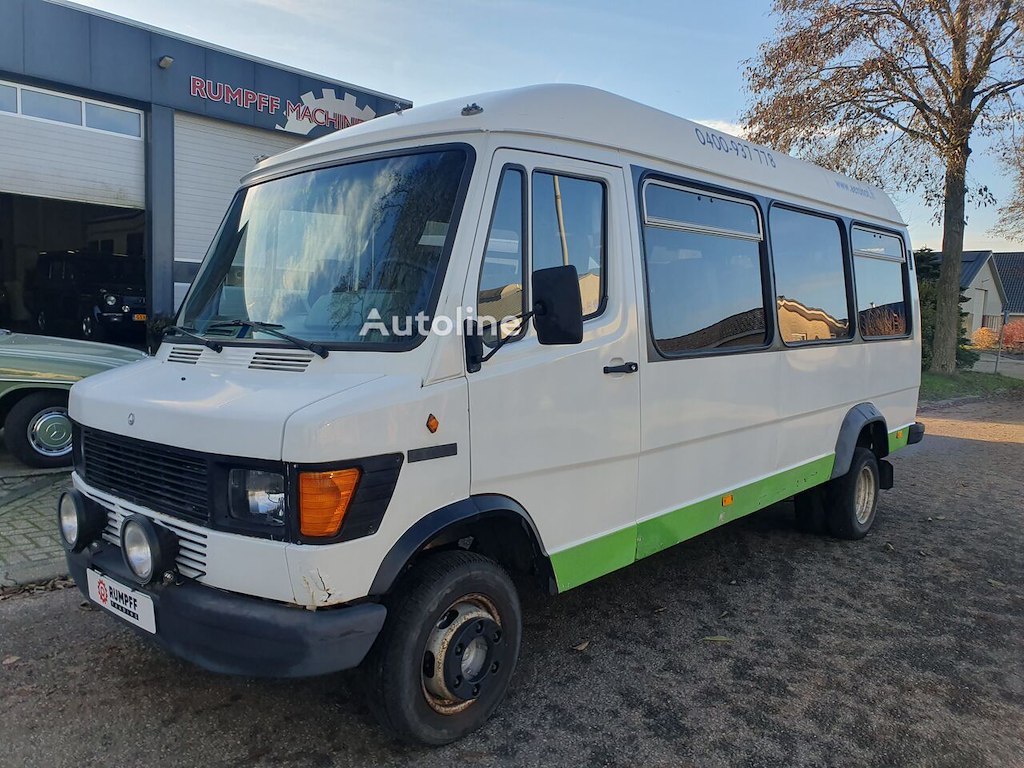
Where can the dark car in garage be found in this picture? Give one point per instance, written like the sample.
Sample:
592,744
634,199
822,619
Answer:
97,296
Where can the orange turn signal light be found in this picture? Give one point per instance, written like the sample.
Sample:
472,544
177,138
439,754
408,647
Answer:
323,500
727,500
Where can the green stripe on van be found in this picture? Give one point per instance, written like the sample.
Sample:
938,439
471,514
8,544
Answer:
584,562
692,520
591,559
895,443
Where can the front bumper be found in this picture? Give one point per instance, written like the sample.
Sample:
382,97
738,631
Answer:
240,635
916,434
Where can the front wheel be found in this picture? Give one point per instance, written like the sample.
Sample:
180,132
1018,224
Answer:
91,329
445,656
38,431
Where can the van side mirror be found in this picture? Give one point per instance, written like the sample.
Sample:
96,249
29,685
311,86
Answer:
474,347
557,308
557,315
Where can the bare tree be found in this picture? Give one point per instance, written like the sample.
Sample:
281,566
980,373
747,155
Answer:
893,91
1011,215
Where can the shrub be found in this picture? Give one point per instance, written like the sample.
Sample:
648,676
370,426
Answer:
1013,336
985,338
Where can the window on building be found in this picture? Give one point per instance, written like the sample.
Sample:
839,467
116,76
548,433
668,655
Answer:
70,110
111,119
705,271
569,228
51,107
810,278
8,98
879,265
502,290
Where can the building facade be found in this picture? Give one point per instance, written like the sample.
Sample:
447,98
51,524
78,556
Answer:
118,139
983,292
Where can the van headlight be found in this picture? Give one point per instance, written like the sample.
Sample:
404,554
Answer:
110,299
256,496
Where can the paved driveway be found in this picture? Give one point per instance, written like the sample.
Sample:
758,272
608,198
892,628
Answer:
904,649
1008,366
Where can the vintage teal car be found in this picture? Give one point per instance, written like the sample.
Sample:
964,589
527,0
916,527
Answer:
36,373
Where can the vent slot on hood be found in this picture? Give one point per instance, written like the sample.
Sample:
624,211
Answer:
281,361
187,355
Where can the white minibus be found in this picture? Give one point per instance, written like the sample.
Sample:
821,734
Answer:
525,338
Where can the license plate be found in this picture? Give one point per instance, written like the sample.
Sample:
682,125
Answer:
132,606
139,317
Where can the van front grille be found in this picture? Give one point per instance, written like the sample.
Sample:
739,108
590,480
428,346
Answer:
168,480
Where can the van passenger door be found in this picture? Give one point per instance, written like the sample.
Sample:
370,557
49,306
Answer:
549,427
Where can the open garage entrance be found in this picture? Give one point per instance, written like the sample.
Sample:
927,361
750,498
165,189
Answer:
72,219
72,269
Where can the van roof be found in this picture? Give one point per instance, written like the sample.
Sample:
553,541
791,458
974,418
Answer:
593,116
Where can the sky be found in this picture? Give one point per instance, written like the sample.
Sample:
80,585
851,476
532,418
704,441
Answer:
686,57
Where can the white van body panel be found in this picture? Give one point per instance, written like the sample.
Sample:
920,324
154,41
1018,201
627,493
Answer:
595,120
548,428
216,405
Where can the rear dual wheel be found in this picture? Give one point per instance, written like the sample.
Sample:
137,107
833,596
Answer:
845,506
445,656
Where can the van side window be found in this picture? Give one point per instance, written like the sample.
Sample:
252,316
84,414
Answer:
501,294
810,278
705,271
879,262
569,228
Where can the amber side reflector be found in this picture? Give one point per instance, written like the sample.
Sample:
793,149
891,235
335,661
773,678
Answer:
727,500
323,500
899,434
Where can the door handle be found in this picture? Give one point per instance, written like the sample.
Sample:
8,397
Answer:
624,368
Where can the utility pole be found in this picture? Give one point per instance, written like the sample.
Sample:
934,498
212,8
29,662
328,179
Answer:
999,344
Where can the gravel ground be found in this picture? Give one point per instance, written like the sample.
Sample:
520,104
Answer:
752,645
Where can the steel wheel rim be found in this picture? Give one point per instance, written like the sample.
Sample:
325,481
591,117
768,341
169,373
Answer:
469,608
49,432
864,503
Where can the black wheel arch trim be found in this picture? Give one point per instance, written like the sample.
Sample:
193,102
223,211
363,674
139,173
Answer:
858,417
427,528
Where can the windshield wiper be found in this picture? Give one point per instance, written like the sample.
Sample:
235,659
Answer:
272,329
175,330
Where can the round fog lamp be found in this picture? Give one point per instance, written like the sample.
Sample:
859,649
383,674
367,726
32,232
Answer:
79,523
67,517
147,549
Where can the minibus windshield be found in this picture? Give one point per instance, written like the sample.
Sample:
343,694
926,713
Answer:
345,255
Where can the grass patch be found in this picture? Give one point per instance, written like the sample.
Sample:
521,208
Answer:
935,386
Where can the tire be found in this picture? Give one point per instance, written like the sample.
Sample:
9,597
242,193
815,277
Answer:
851,501
433,617
45,416
809,507
91,330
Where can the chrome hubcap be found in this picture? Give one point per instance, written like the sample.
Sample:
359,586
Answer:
865,495
49,433
463,650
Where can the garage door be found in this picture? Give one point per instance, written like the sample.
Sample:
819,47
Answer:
210,157
68,148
